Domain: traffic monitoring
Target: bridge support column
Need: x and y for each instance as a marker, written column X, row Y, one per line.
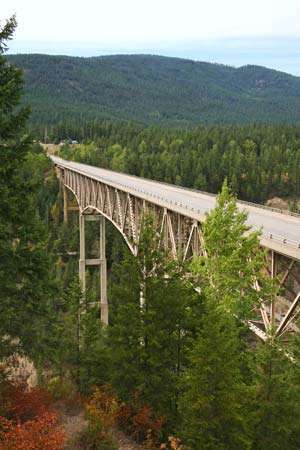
column 103, row 274
column 82, row 252
column 101, row 261
column 273, row 275
column 65, row 201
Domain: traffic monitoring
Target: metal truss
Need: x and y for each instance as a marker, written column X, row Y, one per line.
column 182, row 236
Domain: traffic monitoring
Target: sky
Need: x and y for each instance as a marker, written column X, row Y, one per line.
column 235, row 32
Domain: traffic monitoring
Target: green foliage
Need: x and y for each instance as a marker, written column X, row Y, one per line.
column 95, row 354
column 155, row 90
column 68, row 328
column 26, row 288
column 234, row 259
column 216, row 404
column 277, row 414
column 93, row 438
column 150, row 329
column 81, row 353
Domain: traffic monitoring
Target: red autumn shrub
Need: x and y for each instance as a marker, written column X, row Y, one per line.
column 145, row 424
column 43, row 432
column 23, row 404
column 139, row 420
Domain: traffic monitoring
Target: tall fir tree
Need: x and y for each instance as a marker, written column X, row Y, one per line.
column 277, row 400
column 234, row 259
column 216, row 405
column 24, row 265
column 151, row 327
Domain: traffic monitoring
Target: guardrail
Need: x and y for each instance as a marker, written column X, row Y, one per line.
column 282, row 240
column 270, row 208
column 198, row 191
column 271, row 236
column 244, row 202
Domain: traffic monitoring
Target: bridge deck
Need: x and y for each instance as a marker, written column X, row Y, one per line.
column 281, row 232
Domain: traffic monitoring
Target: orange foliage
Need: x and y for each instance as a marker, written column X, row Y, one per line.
column 103, row 407
column 41, row 433
column 145, row 425
column 136, row 420
column 29, row 423
column 175, row 443
column 22, row 404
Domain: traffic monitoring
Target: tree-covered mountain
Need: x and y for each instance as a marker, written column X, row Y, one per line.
column 155, row 89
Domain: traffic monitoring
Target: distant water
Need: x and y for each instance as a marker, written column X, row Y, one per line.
column 280, row 53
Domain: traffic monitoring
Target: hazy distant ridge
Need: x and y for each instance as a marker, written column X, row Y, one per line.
column 156, row 89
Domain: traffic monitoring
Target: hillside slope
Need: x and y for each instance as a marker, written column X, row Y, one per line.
column 155, row 89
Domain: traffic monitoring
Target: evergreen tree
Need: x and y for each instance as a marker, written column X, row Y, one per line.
column 277, row 406
column 234, row 259
column 216, row 404
column 81, row 351
column 151, row 327
column 125, row 333
column 68, row 329
column 95, row 358
column 25, row 295
column 214, row 407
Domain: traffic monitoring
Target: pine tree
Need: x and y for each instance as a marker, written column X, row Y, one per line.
column 216, row 404
column 125, row 333
column 95, row 358
column 234, row 259
column 151, row 327
column 277, row 402
column 25, row 295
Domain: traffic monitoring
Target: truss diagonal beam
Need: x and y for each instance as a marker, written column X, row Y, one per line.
column 292, row 310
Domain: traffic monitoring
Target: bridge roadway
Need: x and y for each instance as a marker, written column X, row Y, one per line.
column 280, row 231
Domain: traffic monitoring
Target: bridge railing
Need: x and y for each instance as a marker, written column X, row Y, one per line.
column 270, row 208
column 282, row 240
column 198, row 191
column 244, row 202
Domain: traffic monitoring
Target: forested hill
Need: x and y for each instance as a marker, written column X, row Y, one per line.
column 155, row 89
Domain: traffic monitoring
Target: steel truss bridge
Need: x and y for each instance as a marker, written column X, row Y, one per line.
column 178, row 214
